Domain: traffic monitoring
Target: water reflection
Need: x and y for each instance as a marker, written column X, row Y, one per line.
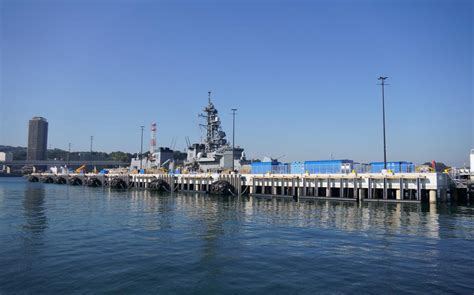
column 215, row 220
column 213, row 217
column 34, row 209
column 382, row 218
column 154, row 210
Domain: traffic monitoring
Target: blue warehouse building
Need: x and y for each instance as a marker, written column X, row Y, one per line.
column 270, row 167
column 397, row 167
column 328, row 166
column 297, row 168
column 344, row 166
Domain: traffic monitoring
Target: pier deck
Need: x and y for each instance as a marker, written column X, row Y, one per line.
column 406, row 187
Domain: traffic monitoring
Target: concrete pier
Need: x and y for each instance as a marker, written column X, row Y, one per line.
column 407, row 187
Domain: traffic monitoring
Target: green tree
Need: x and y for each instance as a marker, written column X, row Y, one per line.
column 120, row 156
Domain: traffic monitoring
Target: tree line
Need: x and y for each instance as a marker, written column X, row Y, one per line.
column 19, row 153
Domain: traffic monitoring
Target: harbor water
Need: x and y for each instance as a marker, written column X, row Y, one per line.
column 76, row 239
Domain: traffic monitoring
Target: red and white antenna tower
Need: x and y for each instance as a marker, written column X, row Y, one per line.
column 153, row 139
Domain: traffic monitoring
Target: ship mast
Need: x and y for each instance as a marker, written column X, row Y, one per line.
column 153, row 139
column 215, row 137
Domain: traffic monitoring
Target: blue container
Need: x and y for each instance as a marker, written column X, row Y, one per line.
column 397, row 167
column 361, row 167
column 281, row 168
column 297, row 168
column 328, row 166
column 269, row 167
column 261, row 167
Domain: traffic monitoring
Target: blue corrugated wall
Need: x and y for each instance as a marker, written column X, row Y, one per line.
column 397, row 167
column 297, row 168
column 325, row 167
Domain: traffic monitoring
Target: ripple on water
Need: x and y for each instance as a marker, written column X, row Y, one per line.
column 57, row 239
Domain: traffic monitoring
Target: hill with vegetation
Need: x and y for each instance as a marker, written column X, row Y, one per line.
column 19, row 153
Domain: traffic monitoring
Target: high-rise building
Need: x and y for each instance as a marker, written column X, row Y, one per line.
column 37, row 139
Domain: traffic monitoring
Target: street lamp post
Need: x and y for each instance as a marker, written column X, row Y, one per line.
column 90, row 157
column 141, row 148
column 233, row 138
column 383, row 115
column 68, row 155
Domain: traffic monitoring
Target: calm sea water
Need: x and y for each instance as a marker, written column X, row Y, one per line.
column 65, row 239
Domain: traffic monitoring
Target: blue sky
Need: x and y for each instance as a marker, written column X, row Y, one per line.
column 303, row 74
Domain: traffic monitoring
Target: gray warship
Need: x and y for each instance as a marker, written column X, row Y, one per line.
column 214, row 154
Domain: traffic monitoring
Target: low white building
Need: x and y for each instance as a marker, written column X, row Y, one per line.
column 472, row 161
column 6, row 156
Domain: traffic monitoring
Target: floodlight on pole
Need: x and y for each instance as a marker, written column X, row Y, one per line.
column 382, row 79
column 68, row 154
column 233, row 138
column 141, row 148
column 90, row 162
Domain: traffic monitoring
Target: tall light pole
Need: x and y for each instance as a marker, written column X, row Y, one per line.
column 92, row 139
column 141, row 149
column 233, row 138
column 68, row 154
column 383, row 115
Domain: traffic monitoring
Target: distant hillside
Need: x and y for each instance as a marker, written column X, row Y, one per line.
column 19, row 153
column 8, row 148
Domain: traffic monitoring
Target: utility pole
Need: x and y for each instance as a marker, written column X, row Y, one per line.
column 68, row 154
column 383, row 115
column 141, row 149
column 92, row 139
column 233, row 138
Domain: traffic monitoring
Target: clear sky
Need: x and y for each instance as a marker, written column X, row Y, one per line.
column 302, row 74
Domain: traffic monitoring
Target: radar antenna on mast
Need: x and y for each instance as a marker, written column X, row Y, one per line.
column 153, row 139
column 215, row 137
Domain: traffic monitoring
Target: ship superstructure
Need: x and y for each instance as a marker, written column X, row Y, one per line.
column 214, row 153
column 215, row 137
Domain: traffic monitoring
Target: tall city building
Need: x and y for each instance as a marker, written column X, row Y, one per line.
column 37, row 139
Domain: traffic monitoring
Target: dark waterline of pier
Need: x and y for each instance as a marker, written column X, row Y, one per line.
column 63, row 239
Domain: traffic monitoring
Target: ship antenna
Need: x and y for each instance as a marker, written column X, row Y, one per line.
column 209, row 93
